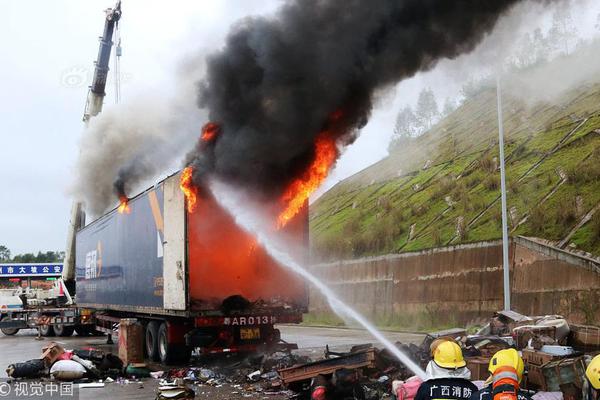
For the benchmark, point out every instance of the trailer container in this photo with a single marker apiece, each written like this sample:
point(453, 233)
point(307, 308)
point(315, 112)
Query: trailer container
point(194, 279)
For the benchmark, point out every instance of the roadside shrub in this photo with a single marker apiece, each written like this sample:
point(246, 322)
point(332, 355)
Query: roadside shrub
point(473, 180)
point(588, 172)
point(419, 211)
point(377, 238)
point(445, 185)
point(513, 186)
point(352, 226)
point(462, 229)
point(566, 212)
point(397, 216)
point(492, 182)
point(459, 192)
point(595, 228)
point(537, 220)
point(519, 151)
point(331, 247)
point(385, 203)
point(487, 163)
point(436, 235)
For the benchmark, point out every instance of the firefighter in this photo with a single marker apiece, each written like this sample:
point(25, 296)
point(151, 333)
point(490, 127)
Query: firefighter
point(447, 375)
point(593, 375)
point(504, 358)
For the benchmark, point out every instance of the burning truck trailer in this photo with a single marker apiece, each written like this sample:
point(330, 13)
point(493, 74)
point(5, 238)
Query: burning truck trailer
point(182, 267)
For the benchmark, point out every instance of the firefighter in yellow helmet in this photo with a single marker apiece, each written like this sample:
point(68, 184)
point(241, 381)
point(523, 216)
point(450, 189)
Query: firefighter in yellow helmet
point(447, 375)
point(593, 375)
point(503, 358)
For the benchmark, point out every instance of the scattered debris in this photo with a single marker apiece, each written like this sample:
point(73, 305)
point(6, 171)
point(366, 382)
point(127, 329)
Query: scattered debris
point(168, 391)
point(553, 351)
point(28, 369)
point(51, 353)
point(67, 370)
point(91, 385)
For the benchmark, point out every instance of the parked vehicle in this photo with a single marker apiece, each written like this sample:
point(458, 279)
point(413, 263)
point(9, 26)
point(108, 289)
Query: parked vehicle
point(194, 279)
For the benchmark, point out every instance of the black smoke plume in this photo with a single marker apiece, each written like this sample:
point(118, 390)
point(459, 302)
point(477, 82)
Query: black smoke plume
point(277, 82)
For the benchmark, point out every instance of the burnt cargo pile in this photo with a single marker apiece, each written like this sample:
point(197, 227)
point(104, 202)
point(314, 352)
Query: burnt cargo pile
point(192, 277)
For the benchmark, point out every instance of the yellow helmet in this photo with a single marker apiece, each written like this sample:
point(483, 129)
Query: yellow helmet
point(593, 372)
point(448, 355)
point(508, 358)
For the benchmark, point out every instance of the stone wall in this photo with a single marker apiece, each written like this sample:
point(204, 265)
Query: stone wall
point(461, 284)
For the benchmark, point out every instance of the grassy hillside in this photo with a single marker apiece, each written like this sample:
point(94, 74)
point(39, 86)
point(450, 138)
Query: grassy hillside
point(444, 187)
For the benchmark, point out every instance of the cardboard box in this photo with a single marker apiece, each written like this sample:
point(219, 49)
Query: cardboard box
point(525, 333)
point(535, 377)
point(537, 357)
point(51, 352)
point(552, 376)
point(478, 367)
point(585, 338)
point(131, 341)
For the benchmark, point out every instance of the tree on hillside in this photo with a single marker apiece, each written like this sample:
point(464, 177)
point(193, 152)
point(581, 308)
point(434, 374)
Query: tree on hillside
point(541, 47)
point(563, 33)
point(406, 127)
point(4, 253)
point(427, 108)
point(525, 53)
point(406, 123)
point(449, 107)
point(598, 22)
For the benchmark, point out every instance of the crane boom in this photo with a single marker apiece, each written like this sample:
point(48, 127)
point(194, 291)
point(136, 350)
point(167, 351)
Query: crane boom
point(93, 107)
point(96, 93)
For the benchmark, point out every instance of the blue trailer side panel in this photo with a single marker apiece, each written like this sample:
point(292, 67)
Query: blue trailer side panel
point(119, 257)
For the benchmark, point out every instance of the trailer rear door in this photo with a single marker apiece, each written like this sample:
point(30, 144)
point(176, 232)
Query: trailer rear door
point(174, 274)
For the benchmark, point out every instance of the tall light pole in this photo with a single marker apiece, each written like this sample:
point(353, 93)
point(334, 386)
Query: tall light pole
point(506, 266)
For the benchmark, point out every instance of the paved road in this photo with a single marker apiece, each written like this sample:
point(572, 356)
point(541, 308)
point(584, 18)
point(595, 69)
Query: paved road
point(312, 341)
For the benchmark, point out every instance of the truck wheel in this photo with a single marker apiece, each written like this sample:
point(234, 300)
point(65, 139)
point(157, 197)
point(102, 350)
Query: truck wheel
point(170, 353)
point(47, 330)
point(64, 330)
point(9, 331)
point(152, 340)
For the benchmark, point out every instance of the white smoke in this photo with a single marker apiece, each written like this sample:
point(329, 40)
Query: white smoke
point(141, 140)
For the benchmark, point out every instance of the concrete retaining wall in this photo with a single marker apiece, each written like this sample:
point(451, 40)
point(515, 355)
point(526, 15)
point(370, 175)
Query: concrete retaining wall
point(460, 284)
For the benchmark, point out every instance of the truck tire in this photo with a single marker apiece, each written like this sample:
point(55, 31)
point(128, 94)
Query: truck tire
point(47, 330)
point(9, 331)
point(152, 340)
point(64, 330)
point(170, 353)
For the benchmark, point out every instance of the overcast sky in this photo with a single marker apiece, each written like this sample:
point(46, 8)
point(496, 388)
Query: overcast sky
point(48, 52)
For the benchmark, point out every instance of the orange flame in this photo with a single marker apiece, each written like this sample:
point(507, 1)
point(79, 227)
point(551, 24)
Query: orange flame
point(124, 206)
point(189, 190)
point(209, 131)
point(301, 188)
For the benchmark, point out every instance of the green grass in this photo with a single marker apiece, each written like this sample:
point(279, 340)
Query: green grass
point(421, 321)
point(372, 212)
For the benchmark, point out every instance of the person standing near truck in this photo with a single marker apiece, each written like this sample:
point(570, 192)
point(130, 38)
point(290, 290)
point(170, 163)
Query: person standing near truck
point(447, 375)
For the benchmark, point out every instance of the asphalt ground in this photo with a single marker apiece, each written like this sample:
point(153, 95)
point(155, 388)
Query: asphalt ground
point(311, 341)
